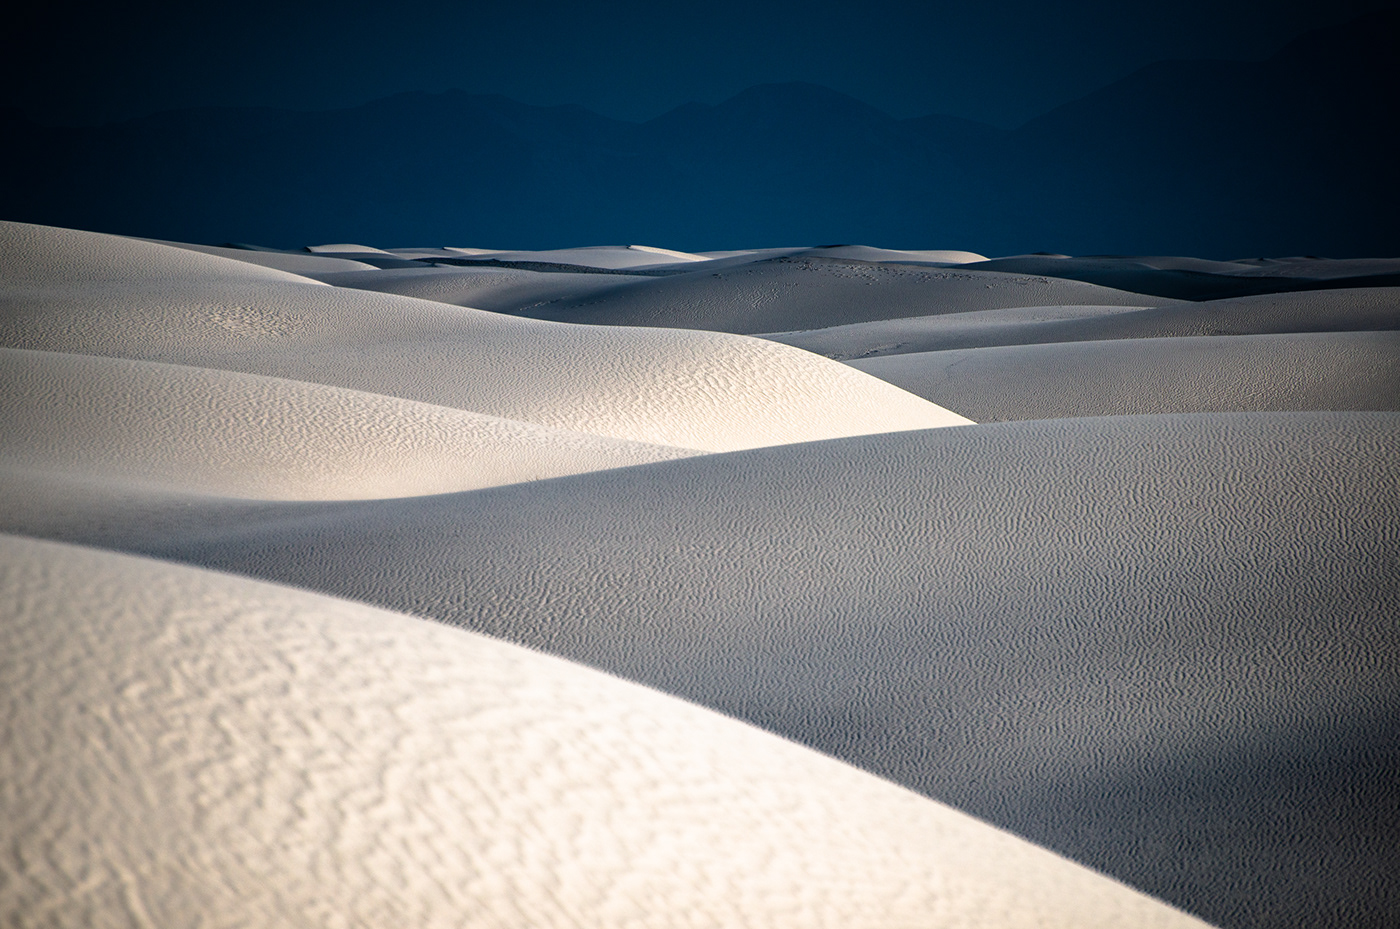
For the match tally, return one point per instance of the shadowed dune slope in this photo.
(187, 747)
(868, 253)
(1301, 371)
(84, 293)
(1015, 326)
(609, 257)
(196, 430)
(802, 292)
(498, 290)
(1201, 279)
(294, 262)
(1374, 309)
(1164, 646)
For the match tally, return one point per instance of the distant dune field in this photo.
(1019, 591)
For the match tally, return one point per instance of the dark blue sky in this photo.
(997, 62)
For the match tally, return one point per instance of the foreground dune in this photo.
(1161, 645)
(1299, 371)
(183, 747)
(85, 293)
(201, 431)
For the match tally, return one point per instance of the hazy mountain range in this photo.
(1291, 155)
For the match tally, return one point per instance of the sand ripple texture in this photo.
(1163, 645)
(202, 431)
(1294, 371)
(812, 291)
(185, 748)
(84, 293)
(1148, 623)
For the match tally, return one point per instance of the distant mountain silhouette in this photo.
(1292, 155)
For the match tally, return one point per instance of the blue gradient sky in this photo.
(997, 62)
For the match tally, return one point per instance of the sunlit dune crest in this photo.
(186, 747)
(1118, 648)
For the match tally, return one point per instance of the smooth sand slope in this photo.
(1164, 646)
(85, 293)
(1200, 279)
(499, 290)
(801, 292)
(183, 747)
(909, 256)
(608, 257)
(1301, 371)
(1013, 326)
(296, 263)
(1373, 309)
(196, 430)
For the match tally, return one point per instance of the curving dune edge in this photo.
(1123, 654)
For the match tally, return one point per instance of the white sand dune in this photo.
(1302, 268)
(84, 293)
(1300, 371)
(593, 256)
(801, 292)
(498, 290)
(201, 431)
(1161, 645)
(346, 248)
(187, 748)
(1318, 269)
(282, 261)
(953, 330)
(1349, 310)
(1201, 279)
(915, 256)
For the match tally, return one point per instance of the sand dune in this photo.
(83, 293)
(1013, 618)
(1161, 645)
(1201, 279)
(1301, 371)
(195, 430)
(1014, 326)
(919, 256)
(346, 248)
(597, 256)
(306, 264)
(798, 292)
(499, 290)
(184, 747)
(1351, 310)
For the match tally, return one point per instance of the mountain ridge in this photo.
(1221, 159)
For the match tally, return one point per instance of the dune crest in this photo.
(1148, 625)
(102, 295)
(202, 431)
(187, 747)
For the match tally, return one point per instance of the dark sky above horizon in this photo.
(1001, 63)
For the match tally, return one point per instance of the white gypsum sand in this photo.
(497, 290)
(1013, 618)
(1190, 374)
(1162, 646)
(197, 430)
(806, 292)
(85, 293)
(1363, 309)
(184, 747)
